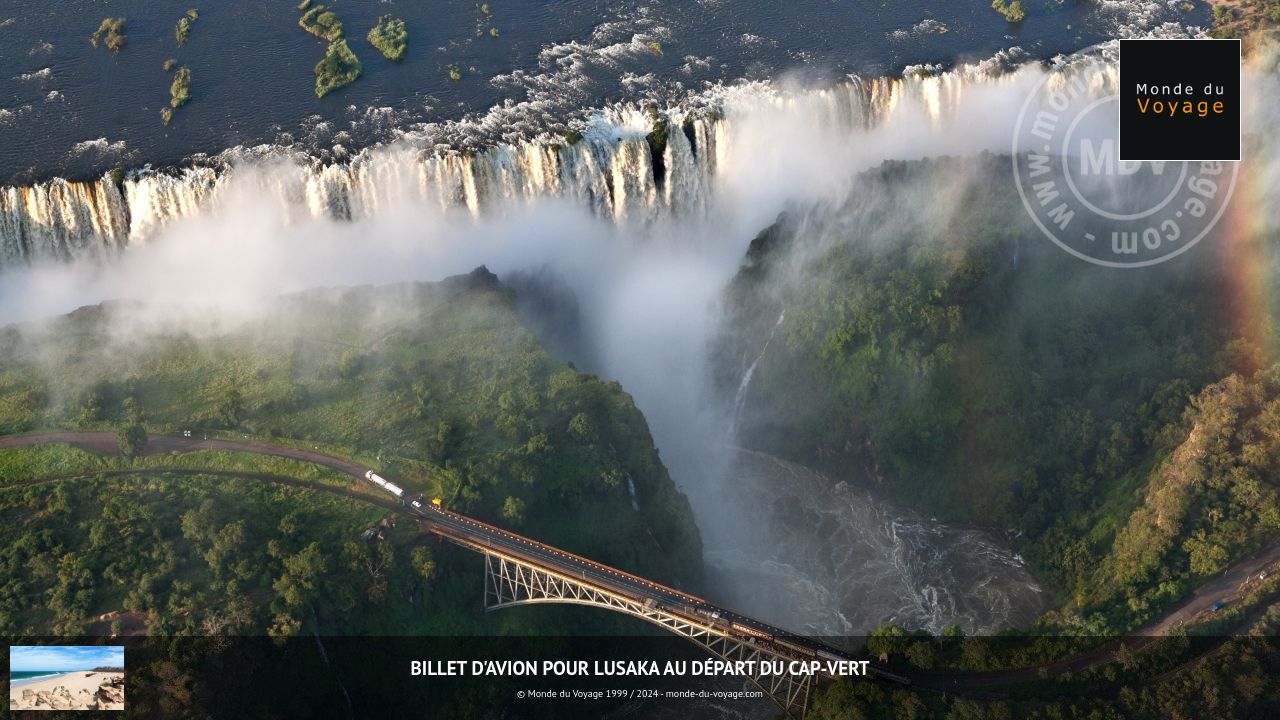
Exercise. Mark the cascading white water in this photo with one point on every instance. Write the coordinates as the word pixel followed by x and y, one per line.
pixel 740 398
pixel 611 169
pixel 62 220
pixel 631 490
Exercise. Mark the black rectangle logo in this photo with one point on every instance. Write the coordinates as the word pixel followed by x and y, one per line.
pixel 1180 100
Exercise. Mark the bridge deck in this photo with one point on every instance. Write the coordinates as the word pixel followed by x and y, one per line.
pixel 480 536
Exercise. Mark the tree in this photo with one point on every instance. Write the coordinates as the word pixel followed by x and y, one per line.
pixel 302 572
pixel 132 439
pixel 284 625
pixel 338 68
pixel 111 31
pixel 132 410
pixel 227 544
pixel 94 403
pixel 390 37
pixel 349 365
pixel 198 523
pixel 1012 12
pixel 423 562
pixel 1206 556
pixel 845 700
pixel 886 642
pixel 611 477
pixel 513 510
pixel 1125 656
pixel 922 654
pixel 422 396
pixel 182 30
pixel 964 709
pixel 580 426
pixel 231 407
pixel 180 88
pixel 447 442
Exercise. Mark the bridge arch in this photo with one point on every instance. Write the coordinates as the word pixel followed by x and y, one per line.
pixel 510 582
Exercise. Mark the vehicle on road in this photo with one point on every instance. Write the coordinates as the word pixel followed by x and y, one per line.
pixel 385 484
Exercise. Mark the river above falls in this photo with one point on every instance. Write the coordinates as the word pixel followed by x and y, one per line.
pixel 470 76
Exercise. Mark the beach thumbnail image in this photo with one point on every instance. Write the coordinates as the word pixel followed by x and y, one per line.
pixel 66 677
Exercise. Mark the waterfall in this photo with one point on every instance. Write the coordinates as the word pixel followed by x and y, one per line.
pixel 740 398
pixel 610 167
pixel 61 220
pixel 153 199
pixel 631 488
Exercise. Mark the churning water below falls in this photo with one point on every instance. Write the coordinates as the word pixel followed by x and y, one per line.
pixel 835 560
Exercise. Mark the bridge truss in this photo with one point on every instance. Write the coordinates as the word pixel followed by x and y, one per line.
pixel 510 581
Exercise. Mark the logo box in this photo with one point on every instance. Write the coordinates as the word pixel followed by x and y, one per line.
pixel 1180 100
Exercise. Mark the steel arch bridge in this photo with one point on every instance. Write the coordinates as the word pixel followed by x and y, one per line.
pixel 510 582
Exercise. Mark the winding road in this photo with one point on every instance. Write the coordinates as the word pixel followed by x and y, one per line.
pixel 105 443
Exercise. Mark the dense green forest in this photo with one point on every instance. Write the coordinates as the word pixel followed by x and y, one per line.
pixel 438 386
pixel 170 555
pixel 933 336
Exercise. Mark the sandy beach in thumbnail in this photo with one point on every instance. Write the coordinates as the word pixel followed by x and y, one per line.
pixel 80 690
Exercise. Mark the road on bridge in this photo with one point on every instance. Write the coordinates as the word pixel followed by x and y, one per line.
pixel 480 536
pixel 459 527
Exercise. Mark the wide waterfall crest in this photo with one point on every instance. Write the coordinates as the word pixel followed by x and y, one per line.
pixel 628 164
